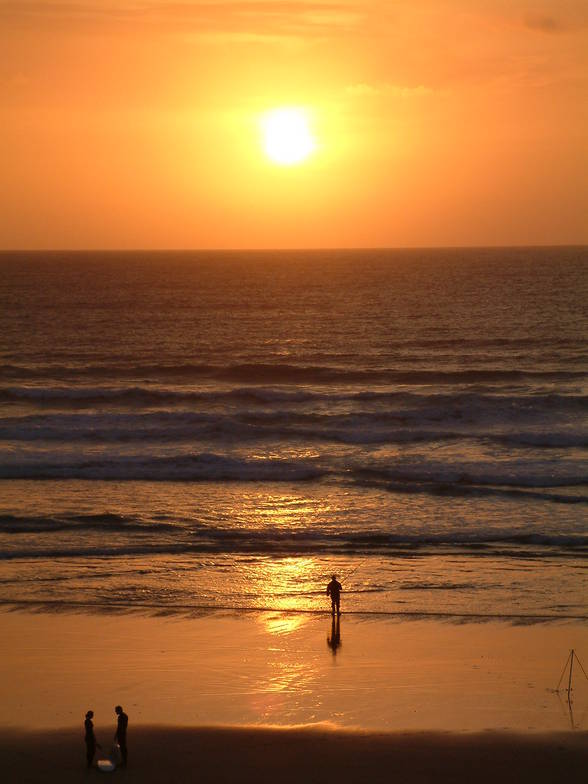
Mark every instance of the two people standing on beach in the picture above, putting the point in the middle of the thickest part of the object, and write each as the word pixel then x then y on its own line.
pixel 120 736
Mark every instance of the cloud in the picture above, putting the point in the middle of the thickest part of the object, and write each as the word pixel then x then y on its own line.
pixel 247 18
pixel 542 23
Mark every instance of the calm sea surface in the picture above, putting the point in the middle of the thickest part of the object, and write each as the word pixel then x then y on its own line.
pixel 181 431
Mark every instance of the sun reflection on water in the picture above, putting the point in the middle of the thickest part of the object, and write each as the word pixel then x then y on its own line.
pixel 290 581
pixel 285 511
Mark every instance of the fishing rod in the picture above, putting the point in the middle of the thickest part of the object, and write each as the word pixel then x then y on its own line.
pixel 348 574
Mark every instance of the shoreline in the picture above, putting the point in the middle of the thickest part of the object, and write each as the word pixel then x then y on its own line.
pixel 144 610
pixel 246 754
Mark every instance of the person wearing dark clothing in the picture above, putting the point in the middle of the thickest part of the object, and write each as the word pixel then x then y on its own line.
pixel 90 738
pixel 334 589
pixel 120 735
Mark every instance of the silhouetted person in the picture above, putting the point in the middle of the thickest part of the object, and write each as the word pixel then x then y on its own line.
pixel 334 641
pixel 120 735
pixel 334 589
pixel 90 738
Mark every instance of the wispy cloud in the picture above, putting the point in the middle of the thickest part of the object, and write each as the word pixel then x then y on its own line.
pixel 542 23
pixel 246 17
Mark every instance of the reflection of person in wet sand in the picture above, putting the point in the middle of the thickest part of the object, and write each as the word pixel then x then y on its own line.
pixel 334 640
pixel 334 589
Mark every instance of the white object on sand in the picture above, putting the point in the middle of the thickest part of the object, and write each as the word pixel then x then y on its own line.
pixel 109 764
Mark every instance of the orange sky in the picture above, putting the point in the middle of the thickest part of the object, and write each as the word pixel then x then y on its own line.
pixel 135 123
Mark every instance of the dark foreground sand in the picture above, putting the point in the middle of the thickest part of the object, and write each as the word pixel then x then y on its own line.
pixel 163 754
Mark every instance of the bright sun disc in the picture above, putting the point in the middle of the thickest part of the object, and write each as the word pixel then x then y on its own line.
pixel 286 136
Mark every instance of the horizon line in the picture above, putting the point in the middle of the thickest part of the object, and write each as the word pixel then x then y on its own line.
pixel 295 249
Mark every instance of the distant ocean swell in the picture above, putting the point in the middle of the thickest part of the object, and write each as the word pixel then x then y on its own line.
pixel 256 373
pixel 485 400
pixel 542 421
pixel 252 412
pixel 231 433
pixel 504 342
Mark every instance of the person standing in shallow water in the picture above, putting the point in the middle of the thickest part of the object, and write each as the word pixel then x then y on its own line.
pixel 90 738
pixel 120 735
pixel 334 589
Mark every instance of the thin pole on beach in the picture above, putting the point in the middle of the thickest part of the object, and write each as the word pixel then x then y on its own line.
pixel 570 664
pixel 563 672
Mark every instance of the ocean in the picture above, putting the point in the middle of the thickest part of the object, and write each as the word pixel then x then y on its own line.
pixel 188 432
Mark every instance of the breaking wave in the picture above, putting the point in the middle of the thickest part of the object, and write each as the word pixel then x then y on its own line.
pixel 192 538
pixel 531 480
pixel 192 467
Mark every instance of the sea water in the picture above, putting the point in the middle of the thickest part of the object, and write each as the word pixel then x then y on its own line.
pixel 184 432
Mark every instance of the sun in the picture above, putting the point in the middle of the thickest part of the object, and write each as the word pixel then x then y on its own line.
pixel 287 138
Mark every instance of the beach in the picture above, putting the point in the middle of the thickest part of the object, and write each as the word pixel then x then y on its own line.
pixel 227 697
pixel 166 755
pixel 285 669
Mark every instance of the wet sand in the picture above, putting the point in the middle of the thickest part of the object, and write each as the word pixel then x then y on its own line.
pixel 273 696
pixel 285 669
pixel 164 754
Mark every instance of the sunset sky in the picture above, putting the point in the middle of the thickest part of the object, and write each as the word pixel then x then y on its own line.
pixel 138 123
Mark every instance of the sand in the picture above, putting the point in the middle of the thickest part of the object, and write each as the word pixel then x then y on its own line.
pixel 264 696
pixel 163 754
pixel 277 669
